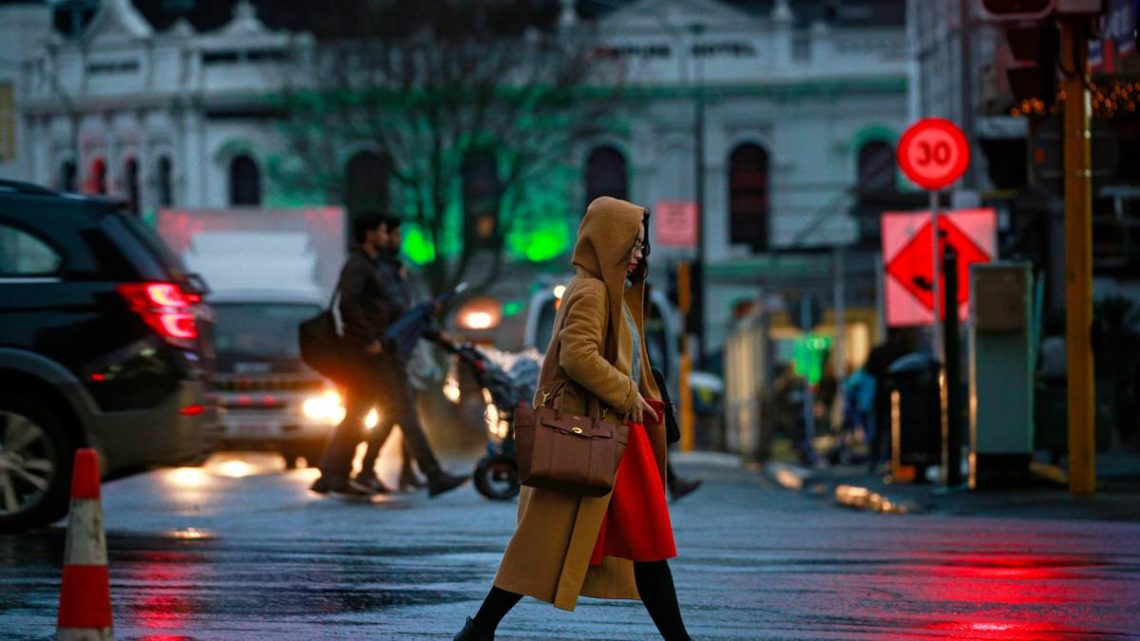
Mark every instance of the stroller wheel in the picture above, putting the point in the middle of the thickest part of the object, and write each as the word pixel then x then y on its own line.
pixel 497 477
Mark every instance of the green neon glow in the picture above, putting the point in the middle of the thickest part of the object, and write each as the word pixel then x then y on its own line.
pixel 541 221
pixel 416 246
pixel 511 308
pixel 540 241
pixel 809 354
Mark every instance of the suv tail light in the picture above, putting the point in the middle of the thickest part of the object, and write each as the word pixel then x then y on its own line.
pixel 166 308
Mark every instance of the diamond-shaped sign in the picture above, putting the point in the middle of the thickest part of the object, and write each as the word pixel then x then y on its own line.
pixel 908 251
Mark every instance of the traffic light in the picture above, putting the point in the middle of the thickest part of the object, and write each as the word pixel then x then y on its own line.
pixel 1032 10
pixel 693 322
pixel 1032 39
pixel 685 291
pixel 1033 72
pixel 1004 10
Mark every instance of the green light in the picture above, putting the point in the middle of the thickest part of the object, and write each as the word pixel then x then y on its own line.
pixel 416 246
pixel 809 353
pixel 540 241
pixel 511 308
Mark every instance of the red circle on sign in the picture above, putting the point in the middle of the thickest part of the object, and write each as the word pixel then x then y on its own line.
pixel 934 153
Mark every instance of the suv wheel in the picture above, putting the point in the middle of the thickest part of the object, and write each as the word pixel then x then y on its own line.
pixel 35 466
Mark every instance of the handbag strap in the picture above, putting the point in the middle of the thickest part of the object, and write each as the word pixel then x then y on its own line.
pixel 547 395
pixel 338 321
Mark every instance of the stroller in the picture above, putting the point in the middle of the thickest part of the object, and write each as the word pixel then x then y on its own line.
pixel 496 474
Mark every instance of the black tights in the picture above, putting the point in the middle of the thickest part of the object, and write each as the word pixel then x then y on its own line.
pixel 654 583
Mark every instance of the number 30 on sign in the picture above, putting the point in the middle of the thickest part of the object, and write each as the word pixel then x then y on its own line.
pixel 933 153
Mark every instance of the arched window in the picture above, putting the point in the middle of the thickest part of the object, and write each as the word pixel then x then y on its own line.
pixel 876 167
pixel 481 193
pixel 165 181
pixel 748 196
pixel 68 176
pixel 366 183
pixel 131 176
pixel 97 177
pixel 245 181
pixel 606 174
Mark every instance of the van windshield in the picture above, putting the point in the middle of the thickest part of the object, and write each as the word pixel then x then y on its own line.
pixel 259 331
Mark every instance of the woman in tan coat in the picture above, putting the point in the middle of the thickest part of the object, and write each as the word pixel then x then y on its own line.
pixel 596 365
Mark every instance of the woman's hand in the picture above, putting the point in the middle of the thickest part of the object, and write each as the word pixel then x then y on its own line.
pixel 642 409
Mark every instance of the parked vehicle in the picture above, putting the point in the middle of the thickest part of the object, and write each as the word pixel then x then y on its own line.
pixel 272 400
pixel 268 270
pixel 104 343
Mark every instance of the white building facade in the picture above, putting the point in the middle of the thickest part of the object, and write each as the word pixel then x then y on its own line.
pixel 776 115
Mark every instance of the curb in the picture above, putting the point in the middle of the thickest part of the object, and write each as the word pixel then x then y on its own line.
pixel 862 498
pixel 852 495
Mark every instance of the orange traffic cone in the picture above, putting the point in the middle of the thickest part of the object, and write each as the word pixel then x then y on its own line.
pixel 85 597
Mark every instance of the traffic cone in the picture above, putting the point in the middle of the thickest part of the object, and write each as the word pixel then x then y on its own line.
pixel 85 596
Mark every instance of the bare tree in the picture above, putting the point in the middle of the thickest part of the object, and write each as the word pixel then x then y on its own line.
pixel 470 115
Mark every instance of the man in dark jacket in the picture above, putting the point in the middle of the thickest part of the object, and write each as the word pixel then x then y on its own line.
pixel 368 304
pixel 393 273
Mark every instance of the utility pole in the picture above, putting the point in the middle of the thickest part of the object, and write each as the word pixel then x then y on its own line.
pixel 696 30
pixel 1078 257
pixel 966 80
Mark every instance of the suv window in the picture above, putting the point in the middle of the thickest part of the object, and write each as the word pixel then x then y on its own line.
pixel 143 247
pixel 22 254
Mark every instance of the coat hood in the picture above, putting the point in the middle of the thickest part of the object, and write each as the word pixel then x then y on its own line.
pixel 605 237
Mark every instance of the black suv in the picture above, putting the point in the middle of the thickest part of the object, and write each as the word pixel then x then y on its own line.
pixel 104 343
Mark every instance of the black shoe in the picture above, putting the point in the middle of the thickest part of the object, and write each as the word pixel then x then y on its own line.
pixel 442 482
pixel 470 633
pixel 345 488
pixel 320 486
pixel 370 483
pixel 680 488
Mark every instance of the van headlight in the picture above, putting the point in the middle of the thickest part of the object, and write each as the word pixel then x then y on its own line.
pixel 324 407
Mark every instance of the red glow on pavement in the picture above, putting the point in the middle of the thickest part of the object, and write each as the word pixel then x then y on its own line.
pixel 192 410
pixel 1007 630
pixel 165 603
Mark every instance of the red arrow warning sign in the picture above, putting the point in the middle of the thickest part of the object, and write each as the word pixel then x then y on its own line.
pixel 907 248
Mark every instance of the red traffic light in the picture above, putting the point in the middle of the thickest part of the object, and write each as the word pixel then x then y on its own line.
pixel 1001 10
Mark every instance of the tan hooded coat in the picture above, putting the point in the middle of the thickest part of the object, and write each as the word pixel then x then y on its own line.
pixel 548 556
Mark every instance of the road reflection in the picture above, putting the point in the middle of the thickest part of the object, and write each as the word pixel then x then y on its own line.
pixel 1005 596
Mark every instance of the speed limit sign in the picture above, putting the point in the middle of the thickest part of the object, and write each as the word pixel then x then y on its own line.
pixel 933 153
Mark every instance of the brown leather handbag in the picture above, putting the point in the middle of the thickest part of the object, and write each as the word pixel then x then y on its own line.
pixel 559 451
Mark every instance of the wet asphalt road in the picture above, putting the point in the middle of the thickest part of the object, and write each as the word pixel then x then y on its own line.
pixel 239 550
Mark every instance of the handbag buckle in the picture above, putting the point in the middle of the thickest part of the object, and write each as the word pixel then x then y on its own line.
pixel 576 430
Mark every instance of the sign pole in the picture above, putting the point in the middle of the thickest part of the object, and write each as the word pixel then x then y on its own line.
pixel 936 258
